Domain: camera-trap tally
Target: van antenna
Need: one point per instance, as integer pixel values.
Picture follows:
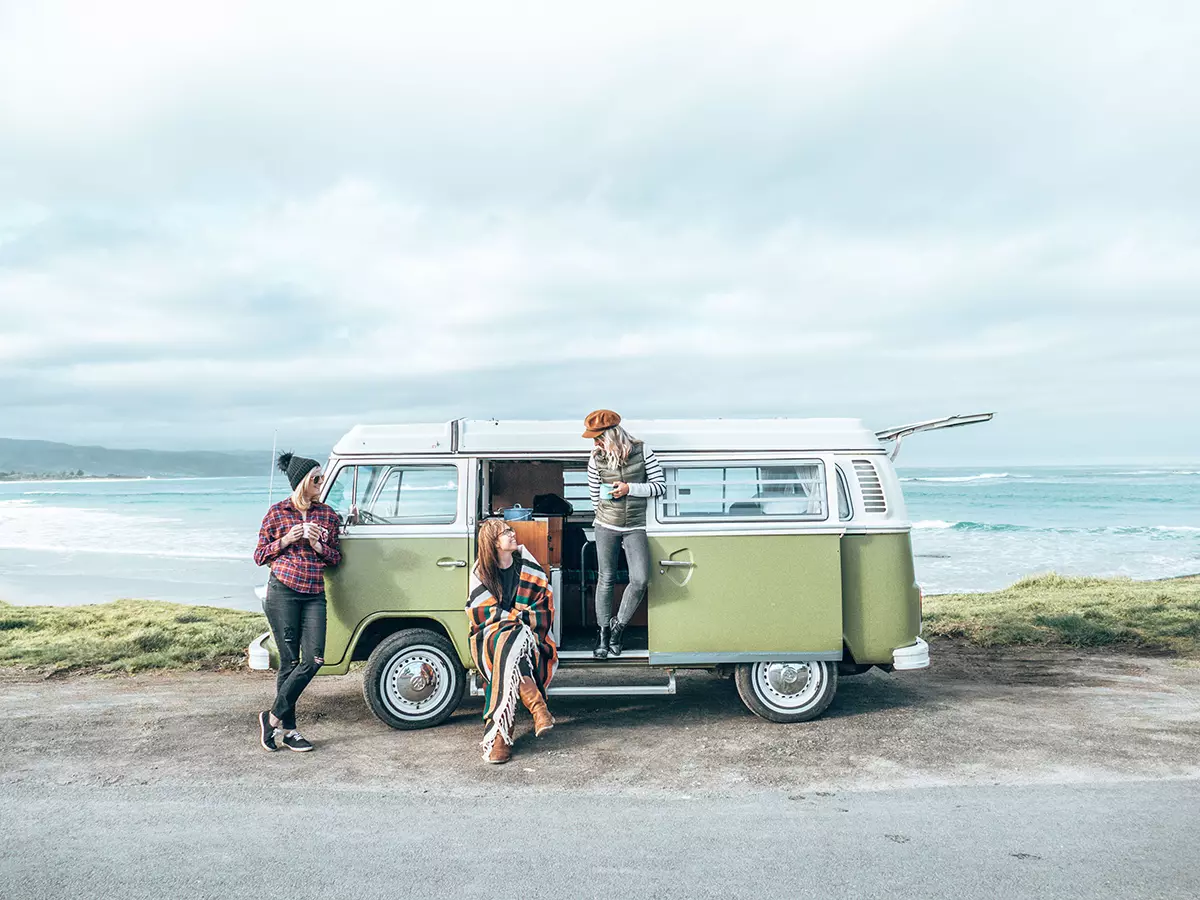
(271, 481)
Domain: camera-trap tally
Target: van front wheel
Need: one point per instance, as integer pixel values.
(786, 691)
(413, 679)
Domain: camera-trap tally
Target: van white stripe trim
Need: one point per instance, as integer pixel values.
(703, 658)
(746, 532)
(398, 531)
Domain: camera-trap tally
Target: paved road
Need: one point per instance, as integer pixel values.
(1127, 840)
(992, 775)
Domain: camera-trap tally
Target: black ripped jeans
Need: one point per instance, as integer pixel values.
(298, 623)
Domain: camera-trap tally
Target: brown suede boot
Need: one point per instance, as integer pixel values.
(501, 751)
(536, 704)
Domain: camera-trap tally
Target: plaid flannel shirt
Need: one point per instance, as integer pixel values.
(298, 565)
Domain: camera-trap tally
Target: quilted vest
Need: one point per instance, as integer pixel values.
(628, 512)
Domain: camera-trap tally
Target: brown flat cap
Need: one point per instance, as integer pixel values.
(599, 422)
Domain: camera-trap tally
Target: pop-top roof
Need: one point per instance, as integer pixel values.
(487, 436)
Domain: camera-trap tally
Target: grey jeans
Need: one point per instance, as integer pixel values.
(637, 554)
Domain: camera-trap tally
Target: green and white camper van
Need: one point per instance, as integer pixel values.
(780, 556)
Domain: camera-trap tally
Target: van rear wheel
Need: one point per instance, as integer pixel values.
(413, 679)
(786, 691)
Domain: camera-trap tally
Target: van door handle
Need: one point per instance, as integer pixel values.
(676, 564)
(452, 563)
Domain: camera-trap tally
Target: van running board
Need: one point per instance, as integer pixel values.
(597, 690)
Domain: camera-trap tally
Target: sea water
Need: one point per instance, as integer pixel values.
(190, 540)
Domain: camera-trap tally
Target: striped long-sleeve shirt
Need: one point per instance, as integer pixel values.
(654, 486)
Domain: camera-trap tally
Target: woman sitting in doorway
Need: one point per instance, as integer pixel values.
(511, 609)
(630, 474)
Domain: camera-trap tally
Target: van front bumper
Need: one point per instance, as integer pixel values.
(257, 654)
(914, 656)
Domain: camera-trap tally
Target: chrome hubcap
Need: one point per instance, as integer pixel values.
(416, 682)
(789, 686)
(787, 678)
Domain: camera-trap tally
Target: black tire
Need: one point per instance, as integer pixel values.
(755, 685)
(407, 665)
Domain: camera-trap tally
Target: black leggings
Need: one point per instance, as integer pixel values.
(298, 622)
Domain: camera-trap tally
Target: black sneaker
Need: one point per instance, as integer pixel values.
(294, 740)
(266, 732)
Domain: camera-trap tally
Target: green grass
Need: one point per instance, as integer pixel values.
(125, 636)
(137, 635)
(1077, 612)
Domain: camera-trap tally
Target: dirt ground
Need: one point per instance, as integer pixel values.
(1011, 716)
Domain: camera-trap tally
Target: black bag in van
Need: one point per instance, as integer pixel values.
(551, 505)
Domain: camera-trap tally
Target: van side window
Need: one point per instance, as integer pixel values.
(576, 486)
(397, 495)
(843, 495)
(341, 493)
(778, 491)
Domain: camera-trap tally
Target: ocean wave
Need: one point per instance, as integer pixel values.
(984, 476)
(34, 547)
(1004, 527)
(25, 525)
(114, 495)
(1160, 472)
(134, 479)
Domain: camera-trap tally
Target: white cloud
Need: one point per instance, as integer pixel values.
(893, 210)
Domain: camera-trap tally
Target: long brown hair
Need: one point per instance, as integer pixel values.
(487, 563)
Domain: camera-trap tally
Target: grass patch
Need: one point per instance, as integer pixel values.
(1077, 612)
(138, 635)
(125, 636)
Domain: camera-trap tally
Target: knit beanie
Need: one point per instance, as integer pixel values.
(296, 467)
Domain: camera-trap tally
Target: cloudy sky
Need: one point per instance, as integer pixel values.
(222, 219)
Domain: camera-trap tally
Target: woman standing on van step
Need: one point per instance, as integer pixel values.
(631, 475)
(511, 608)
(299, 538)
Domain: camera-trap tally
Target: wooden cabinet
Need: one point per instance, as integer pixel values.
(543, 538)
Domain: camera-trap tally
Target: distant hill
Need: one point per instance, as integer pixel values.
(47, 457)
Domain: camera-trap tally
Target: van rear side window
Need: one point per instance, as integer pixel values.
(778, 491)
(843, 495)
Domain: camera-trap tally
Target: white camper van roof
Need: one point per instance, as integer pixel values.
(491, 436)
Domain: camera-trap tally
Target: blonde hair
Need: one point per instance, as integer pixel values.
(614, 447)
(299, 498)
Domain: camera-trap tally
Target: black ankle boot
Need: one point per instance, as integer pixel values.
(601, 651)
(616, 629)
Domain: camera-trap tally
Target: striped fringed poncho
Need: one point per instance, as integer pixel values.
(501, 639)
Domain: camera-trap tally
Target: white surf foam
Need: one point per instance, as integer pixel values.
(26, 526)
(984, 476)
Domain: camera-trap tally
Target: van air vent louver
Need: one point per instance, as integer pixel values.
(872, 489)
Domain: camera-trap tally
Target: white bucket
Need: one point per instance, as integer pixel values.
(260, 657)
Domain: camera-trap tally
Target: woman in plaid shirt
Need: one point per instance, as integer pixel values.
(299, 539)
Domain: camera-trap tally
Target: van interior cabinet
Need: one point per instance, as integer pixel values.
(543, 537)
(521, 482)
